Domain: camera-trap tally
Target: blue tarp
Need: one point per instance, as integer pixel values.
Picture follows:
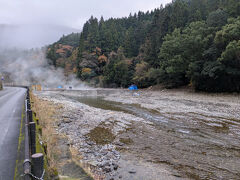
(133, 87)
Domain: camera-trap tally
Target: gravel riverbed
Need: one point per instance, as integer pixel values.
(167, 134)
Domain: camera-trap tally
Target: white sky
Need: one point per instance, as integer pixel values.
(68, 13)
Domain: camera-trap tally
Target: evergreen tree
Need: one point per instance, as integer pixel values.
(192, 42)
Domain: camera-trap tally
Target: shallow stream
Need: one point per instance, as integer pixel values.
(196, 145)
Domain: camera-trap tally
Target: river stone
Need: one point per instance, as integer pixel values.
(119, 143)
(132, 171)
(107, 169)
(115, 166)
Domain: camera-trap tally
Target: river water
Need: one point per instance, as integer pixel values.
(195, 145)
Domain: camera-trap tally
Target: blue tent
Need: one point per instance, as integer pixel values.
(133, 87)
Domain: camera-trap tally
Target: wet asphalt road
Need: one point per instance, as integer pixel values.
(11, 106)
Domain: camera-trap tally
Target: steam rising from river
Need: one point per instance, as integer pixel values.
(31, 67)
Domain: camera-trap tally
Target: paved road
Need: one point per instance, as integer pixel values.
(11, 106)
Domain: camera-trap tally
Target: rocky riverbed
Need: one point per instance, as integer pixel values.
(165, 134)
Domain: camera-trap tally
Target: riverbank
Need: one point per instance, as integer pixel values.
(150, 134)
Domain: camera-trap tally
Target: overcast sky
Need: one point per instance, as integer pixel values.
(46, 20)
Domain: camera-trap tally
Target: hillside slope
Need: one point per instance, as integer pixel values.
(188, 42)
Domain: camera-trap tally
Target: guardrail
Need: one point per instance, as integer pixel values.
(14, 85)
(34, 162)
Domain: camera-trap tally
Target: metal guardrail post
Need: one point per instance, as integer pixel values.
(30, 115)
(35, 169)
(28, 104)
(32, 127)
(38, 163)
(27, 162)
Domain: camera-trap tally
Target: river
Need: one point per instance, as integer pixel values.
(196, 145)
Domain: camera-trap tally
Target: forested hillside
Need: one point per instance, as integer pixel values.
(188, 42)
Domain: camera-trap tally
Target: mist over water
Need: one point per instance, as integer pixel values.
(30, 67)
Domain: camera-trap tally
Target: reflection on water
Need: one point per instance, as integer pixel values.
(197, 145)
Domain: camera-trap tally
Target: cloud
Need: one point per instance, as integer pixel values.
(68, 13)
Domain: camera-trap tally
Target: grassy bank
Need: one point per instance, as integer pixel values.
(59, 154)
